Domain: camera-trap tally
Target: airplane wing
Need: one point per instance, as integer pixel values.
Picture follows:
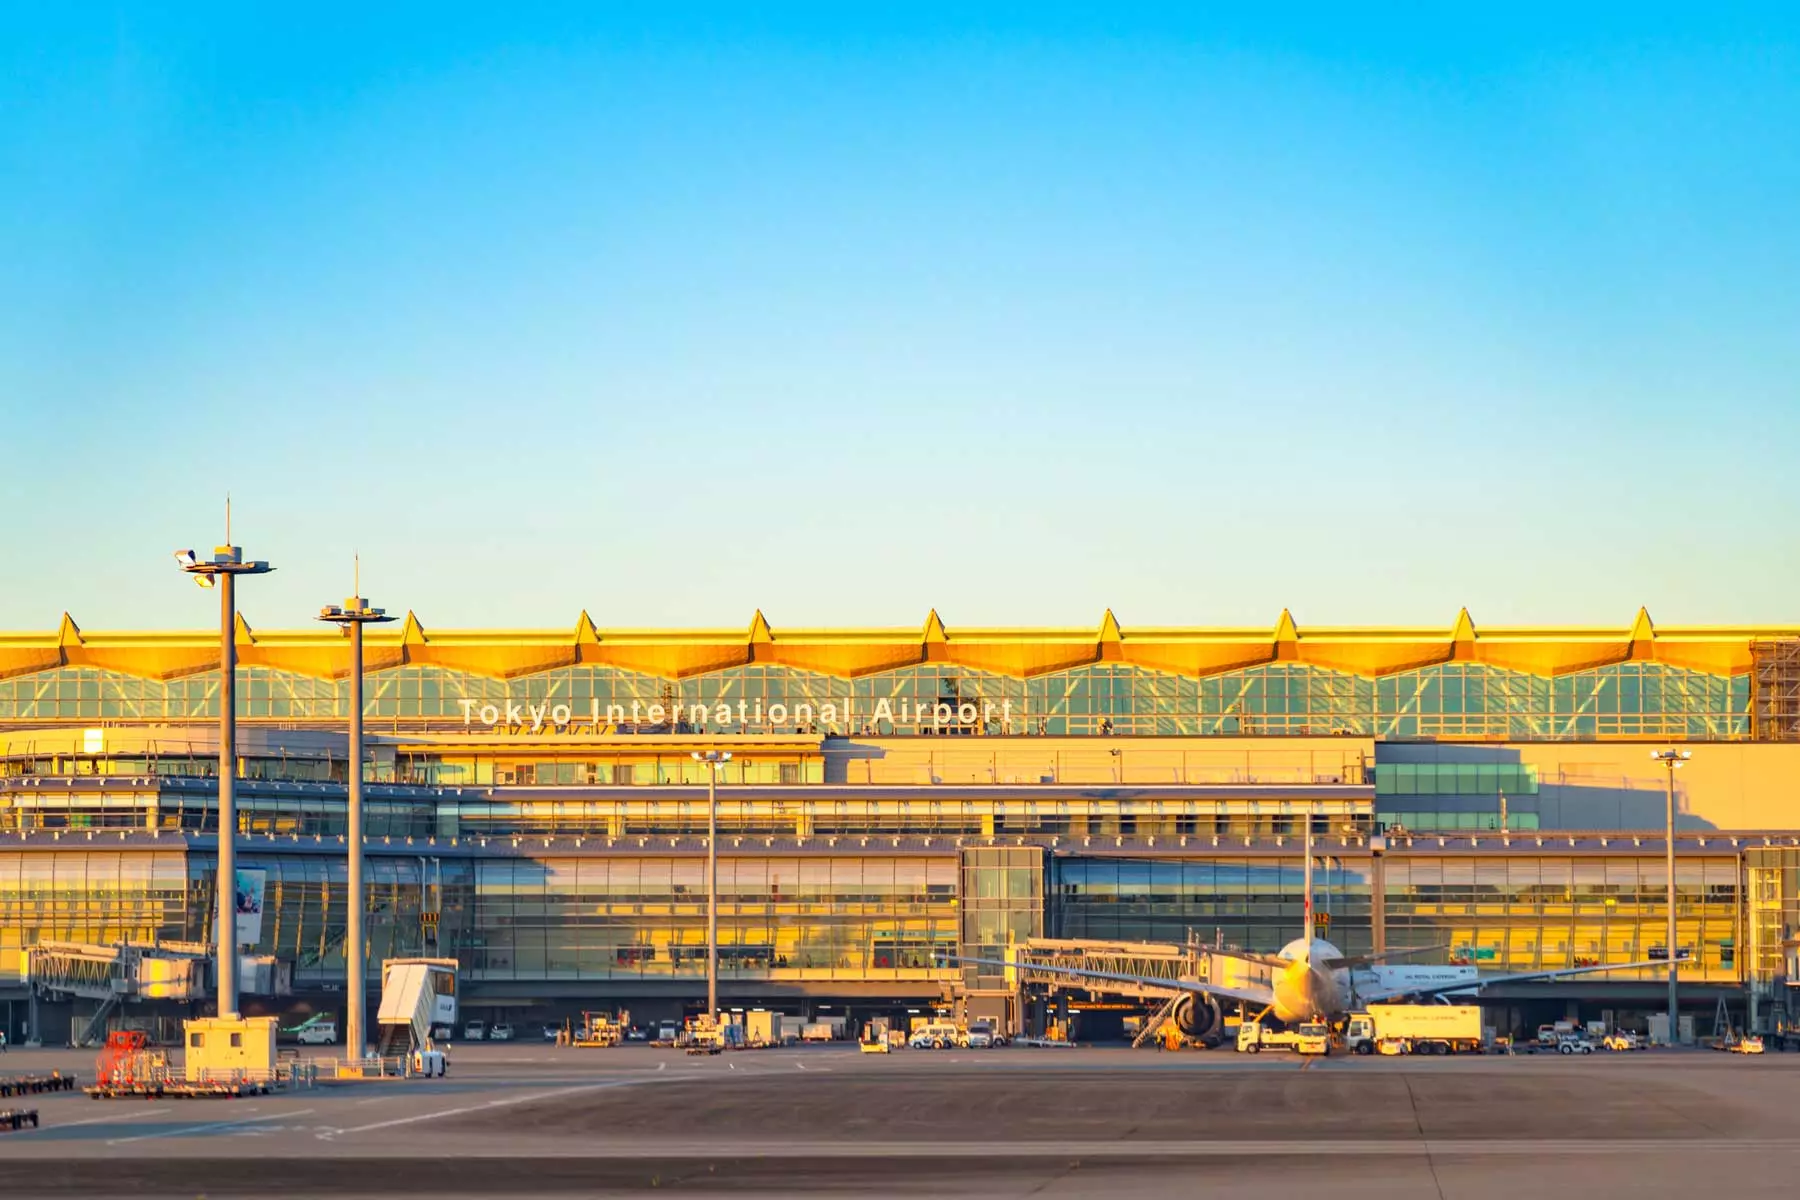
(1352, 961)
(1368, 996)
(1248, 995)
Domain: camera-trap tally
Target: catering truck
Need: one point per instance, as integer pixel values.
(1415, 1029)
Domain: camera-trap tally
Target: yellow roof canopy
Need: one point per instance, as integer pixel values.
(672, 653)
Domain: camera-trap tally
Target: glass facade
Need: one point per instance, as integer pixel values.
(1525, 912)
(104, 896)
(1256, 903)
(1002, 902)
(856, 917)
(191, 806)
(824, 918)
(1632, 699)
(98, 896)
(1455, 779)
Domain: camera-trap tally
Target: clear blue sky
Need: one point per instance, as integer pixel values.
(674, 312)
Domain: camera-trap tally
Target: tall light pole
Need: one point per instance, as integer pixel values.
(715, 761)
(1673, 760)
(351, 616)
(226, 564)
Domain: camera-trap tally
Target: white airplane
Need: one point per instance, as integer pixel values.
(1309, 979)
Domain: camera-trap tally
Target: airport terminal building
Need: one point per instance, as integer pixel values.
(896, 796)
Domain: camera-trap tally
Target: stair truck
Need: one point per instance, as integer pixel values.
(417, 996)
(1415, 1029)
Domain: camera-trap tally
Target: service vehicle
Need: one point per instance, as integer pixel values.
(1574, 1043)
(1309, 1037)
(500, 1033)
(1623, 1039)
(983, 1036)
(1747, 1045)
(597, 1029)
(1414, 1029)
(1548, 1036)
(762, 1028)
(707, 1036)
(875, 1037)
(475, 1031)
(317, 1033)
(938, 1035)
(429, 1062)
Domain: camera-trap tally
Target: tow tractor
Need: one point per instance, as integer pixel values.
(875, 1037)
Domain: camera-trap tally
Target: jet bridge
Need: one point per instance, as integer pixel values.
(112, 974)
(116, 973)
(1138, 968)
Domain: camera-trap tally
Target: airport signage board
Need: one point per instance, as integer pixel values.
(248, 902)
(844, 712)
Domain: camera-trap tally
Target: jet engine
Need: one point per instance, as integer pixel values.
(1199, 1018)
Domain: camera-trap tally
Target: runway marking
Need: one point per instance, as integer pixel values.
(215, 1127)
(111, 1116)
(802, 1066)
(504, 1102)
(1163, 1149)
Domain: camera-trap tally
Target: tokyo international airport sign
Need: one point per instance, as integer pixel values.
(744, 715)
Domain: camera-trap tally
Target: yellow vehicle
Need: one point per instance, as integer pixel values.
(875, 1039)
(598, 1029)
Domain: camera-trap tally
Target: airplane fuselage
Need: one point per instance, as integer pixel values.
(1302, 990)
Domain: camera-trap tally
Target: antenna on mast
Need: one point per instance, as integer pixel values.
(228, 518)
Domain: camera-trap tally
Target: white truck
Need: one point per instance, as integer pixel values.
(1415, 1029)
(1310, 1037)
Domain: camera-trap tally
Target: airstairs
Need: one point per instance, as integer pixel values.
(412, 992)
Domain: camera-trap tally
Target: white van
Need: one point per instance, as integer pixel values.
(938, 1035)
(319, 1033)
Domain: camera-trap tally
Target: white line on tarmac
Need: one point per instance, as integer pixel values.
(111, 1116)
(504, 1102)
(1392, 1147)
(185, 1130)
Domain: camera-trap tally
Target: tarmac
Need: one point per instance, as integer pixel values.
(525, 1119)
